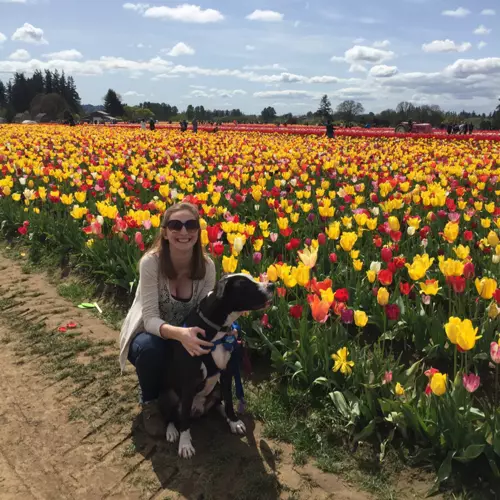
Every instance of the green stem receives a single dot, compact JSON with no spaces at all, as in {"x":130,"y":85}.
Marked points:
{"x":455,"y":364}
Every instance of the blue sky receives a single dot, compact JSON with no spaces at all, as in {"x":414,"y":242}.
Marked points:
{"x":252,"y":54}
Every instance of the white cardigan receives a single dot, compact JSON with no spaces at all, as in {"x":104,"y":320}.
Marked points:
{"x":145,"y":316}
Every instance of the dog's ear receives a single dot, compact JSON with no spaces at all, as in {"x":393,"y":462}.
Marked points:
{"x":220,"y":288}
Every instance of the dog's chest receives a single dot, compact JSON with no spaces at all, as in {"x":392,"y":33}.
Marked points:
{"x":221,"y":357}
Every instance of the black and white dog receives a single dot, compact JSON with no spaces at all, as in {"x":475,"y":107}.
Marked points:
{"x":192,"y":380}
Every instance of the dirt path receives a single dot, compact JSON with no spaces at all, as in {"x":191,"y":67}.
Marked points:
{"x":68,"y":420}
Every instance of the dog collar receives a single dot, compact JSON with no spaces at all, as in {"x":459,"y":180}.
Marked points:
{"x":228,"y":341}
{"x":211,"y":324}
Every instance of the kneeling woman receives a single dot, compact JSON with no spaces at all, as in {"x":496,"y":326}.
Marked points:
{"x":174,"y":276}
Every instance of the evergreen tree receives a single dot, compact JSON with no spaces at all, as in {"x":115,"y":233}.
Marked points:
{"x":49,"y":88}
{"x":113,"y":104}
{"x":3,"y":95}
{"x":325,"y":108}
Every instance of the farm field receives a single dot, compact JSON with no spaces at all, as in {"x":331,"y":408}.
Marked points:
{"x":385,"y":251}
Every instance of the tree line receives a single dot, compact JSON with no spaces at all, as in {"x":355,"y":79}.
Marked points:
{"x":31,"y":94}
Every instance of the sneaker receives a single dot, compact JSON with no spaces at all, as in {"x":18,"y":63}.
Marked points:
{"x":152,"y":418}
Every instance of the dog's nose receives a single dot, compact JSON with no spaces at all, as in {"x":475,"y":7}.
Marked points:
{"x":271,"y":286}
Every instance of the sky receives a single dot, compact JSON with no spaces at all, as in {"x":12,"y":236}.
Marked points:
{"x":229,"y":54}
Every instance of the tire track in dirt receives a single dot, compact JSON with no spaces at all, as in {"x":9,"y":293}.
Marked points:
{"x":68,"y":420}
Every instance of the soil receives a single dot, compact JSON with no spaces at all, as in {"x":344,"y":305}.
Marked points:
{"x":70,"y":426}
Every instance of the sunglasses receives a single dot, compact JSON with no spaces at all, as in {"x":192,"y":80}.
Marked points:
{"x":191,"y":225}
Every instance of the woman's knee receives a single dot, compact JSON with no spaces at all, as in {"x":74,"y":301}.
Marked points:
{"x":147,"y":348}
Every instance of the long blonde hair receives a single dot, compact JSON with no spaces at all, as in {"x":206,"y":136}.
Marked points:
{"x":161,"y":246}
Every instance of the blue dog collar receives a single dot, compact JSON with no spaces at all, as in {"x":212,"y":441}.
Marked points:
{"x":228,"y":341}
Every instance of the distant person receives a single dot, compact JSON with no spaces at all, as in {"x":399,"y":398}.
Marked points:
{"x":449,"y":129}
{"x":195,"y":126}
{"x":471,"y":128}
{"x":143,"y":124}
{"x":151,"y":124}
{"x":410,"y":125}
{"x":330,"y":131}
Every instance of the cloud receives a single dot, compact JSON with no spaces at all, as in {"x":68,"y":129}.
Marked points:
{"x":265,"y":67}
{"x":269,"y":16}
{"x":132,"y":93}
{"x":214,"y":92}
{"x":185,"y":13}
{"x":2,"y":37}
{"x":29,"y":34}
{"x":460,"y":12}
{"x":383,"y":44}
{"x":249,"y":47}
{"x":13,"y":1}
{"x":284,"y":94}
{"x":180,"y":49}
{"x":488,"y":12}
{"x":482,"y":30}
{"x":360,"y":54}
{"x":136,"y":7}
{"x":446,"y":46}
{"x":296,"y":24}
{"x":383,"y":71}
{"x":463,"y":68}
{"x":20,"y":55}
{"x":65,"y":55}
{"x":481,"y":45}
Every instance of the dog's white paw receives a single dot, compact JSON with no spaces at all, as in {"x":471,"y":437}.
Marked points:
{"x":172,"y":433}
{"x":237,"y":427}
{"x":186,"y":449}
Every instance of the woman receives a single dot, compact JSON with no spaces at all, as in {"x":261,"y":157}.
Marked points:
{"x":174,"y":276}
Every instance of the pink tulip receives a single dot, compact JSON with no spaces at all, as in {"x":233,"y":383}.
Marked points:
{"x":387,"y":378}
{"x":146,"y":224}
{"x":274,"y":237}
{"x":495,"y":352}
{"x":138,"y":238}
{"x":257,"y":257}
{"x":471,"y":382}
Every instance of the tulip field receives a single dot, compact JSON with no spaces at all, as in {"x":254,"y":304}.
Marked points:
{"x":385,"y":252}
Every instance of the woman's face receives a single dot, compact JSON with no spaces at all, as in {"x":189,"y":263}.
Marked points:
{"x":182,"y":230}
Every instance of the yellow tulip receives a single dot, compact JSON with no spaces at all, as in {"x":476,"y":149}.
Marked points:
{"x":452,"y":328}
{"x":451,"y":231}
{"x":371,"y":275}
{"x":302,"y":275}
{"x":493,"y":239}
{"x":360,"y":318}
{"x":357,"y":264}
{"x":347,"y":241}
{"x":451,"y":267}
{"x":486,"y":287}
{"x":461,"y":252}
{"x":394,"y":223}
{"x":438,"y":384}
{"x":272,"y":273}
{"x":466,"y":338}
{"x":399,"y":390}
{"x":309,"y":256}
{"x":229,"y":264}
{"x":430,"y":287}
{"x":383,"y":296}
{"x":333,"y":231}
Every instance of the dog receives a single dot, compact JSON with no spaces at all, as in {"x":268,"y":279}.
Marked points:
{"x":192,"y":381}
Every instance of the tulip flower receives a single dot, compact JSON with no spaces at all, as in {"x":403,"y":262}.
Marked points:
{"x":430,"y":287}
{"x":347,"y":241}
{"x":296,"y":311}
{"x":452,"y":328}
{"x":438,"y":384}
{"x":383,"y":296}
{"x":486,"y":287}
{"x":309,"y":256}
{"x":341,"y":362}
{"x":319,"y":309}
{"x":385,"y":277}
{"x":495,"y":352}
{"x":399,"y":390}
{"x":471,"y":382}
{"x":360,"y":318}
{"x":229,"y":264}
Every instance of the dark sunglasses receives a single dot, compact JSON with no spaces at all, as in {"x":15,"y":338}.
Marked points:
{"x":177,"y":225}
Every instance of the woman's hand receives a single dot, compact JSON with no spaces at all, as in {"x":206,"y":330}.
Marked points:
{"x":189,"y":339}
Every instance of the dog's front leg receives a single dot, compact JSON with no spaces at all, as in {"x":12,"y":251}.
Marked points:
{"x":186,"y":449}
{"x":236,"y":425}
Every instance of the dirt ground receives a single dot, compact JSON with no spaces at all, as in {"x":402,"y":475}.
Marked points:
{"x":69,"y":422}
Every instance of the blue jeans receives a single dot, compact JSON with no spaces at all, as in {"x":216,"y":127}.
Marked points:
{"x":148,"y":353}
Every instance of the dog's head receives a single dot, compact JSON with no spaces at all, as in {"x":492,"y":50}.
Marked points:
{"x":242,"y":293}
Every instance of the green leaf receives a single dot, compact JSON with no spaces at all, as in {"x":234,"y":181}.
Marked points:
{"x":413,"y":368}
{"x":340,"y":403}
{"x":471,"y":453}
{"x":321,"y":381}
{"x":446,"y":468}
{"x":496,"y":443}
{"x":366,"y":432}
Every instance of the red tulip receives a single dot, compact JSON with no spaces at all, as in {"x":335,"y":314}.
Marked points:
{"x":281,"y":292}
{"x":469,"y":270}
{"x":342,"y":295}
{"x":457,"y":283}
{"x":296,"y":311}
{"x":213,"y":233}
{"x":319,"y":309}
{"x":322,"y":238}
{"x":392,"y":312}
{"x":468,"y":235}
{"x":333,"y":258}
{"x":386,"y":254}
{"x":218,"y":248}
{"x":385,"y":277}
{"x":405,"y":288}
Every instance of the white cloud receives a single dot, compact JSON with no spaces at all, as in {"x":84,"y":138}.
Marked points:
{"x":13,"y":1}
{"x":29,"y":34}
{"x":286,"y":94}
{"x":265,"y":67}
{"x":185,"y":13}
{"x":482,"y":30}
{"x":446,"y":46}
{"x":463,"y":68}
{"x":383,"y":71}
{"x":2,"y":37}
{"x":382,"y":44}
{"x":360,"y":54}
{"x":481,"y":45}
{"x":249,"y":47}
{"x":132,"y":93}
{"x":137,"y":7}
{"x":65,"y":55}
{"x":460,"y":12}
{"x":270,"y":16}
{"x":214,"y":92}
{"x":358,"y":41}
{"x":20,"y":55}
{"x":488,"y":12}
{"x":296,"y":24}
{"x":180,"y":49}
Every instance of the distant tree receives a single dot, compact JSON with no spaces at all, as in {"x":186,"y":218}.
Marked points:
{"x":3,"y":95}
{"x":113,"y":103}
{"x":325,"y":108}
{"x":405,"y":110}
{"x":349,"y":110}
{"x":135,"y":113}
{"x":190,"y":112}
{"x":268,"y":114}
